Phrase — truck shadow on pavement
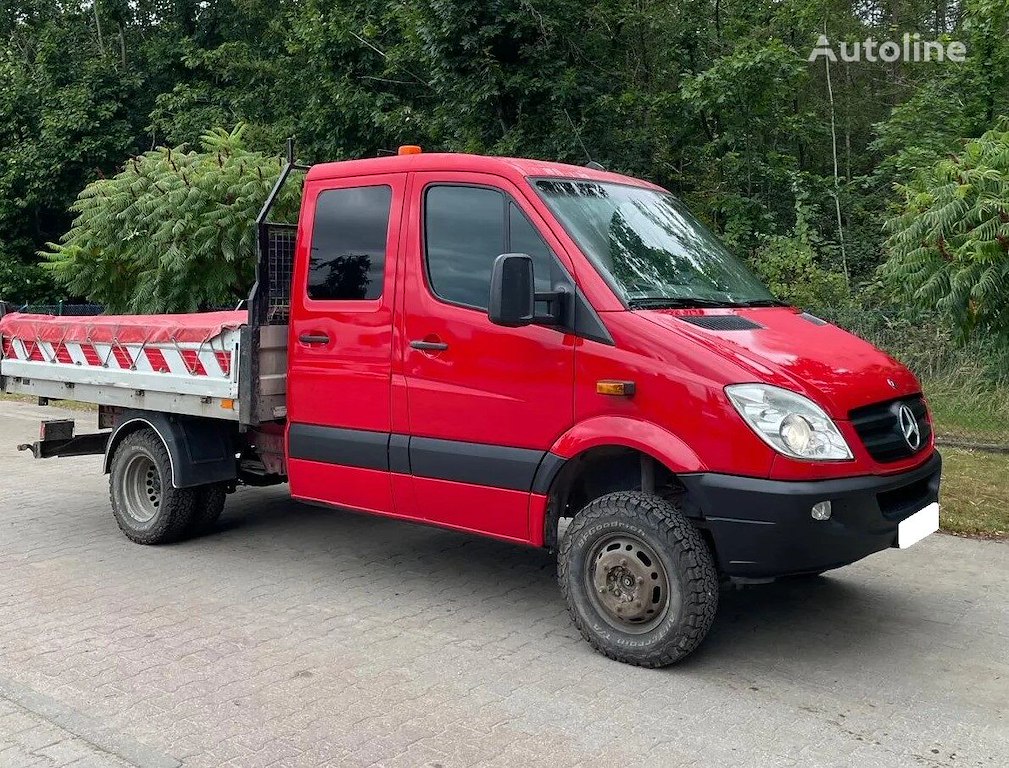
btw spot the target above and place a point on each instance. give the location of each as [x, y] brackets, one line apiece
[832, 620]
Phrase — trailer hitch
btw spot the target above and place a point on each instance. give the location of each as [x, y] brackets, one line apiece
[57, 439]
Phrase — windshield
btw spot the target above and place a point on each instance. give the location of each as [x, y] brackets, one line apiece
[650, 248]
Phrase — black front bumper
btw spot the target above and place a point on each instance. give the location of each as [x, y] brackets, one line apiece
[763, 528]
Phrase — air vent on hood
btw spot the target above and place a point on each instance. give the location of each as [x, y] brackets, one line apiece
[813, 319]
[722, 322]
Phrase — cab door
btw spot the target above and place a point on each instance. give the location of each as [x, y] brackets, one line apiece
[485, 403]
[340, 342]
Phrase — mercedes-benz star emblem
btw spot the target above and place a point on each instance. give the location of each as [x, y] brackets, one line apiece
[909, 427]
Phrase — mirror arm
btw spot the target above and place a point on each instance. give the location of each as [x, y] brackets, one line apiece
[556, 301]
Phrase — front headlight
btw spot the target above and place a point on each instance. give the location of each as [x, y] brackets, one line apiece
[788, 422]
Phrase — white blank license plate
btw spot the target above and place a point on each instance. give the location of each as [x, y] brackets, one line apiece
[918, 526]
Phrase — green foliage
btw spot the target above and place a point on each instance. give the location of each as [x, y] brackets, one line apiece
[714, 100]
[173, 231]
[949, 244]
[21, 282]
[790, 264]
[748, 170]
[787, 265]
[917, 133]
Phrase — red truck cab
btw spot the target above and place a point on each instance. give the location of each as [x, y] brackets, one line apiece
[498, 345]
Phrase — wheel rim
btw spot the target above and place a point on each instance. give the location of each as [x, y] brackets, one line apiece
[628, 584]
[140, 488]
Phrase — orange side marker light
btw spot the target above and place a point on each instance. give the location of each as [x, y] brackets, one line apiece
[615, 388]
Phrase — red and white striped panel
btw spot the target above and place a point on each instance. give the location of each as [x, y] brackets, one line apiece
[207, 359]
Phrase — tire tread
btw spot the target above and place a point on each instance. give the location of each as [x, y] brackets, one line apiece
[700, 590]
[209, 505]
[178, 505]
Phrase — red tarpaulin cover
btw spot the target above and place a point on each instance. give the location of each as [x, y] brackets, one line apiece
[124, 329]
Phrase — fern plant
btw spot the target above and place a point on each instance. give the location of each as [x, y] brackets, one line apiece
[172, 232]
[949, 244]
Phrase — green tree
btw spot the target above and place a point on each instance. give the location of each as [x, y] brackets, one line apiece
[791, 265]
[714, 100]
[949, 245]
[173, 231]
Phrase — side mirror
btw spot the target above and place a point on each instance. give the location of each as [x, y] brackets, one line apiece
[512, 291]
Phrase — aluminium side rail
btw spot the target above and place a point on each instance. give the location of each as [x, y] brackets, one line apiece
[181, 364]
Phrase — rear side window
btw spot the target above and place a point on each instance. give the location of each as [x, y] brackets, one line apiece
[349, 239]
[465, 230]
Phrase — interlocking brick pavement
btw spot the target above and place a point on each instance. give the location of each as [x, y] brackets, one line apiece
[300, 636]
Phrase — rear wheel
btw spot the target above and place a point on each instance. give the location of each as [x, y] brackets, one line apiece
[148, 509]
[208, 507]
[639, 580]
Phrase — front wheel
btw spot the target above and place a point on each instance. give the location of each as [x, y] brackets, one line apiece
[639, 580]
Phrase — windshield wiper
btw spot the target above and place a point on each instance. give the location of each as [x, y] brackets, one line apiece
[674, 302]
[760, 303]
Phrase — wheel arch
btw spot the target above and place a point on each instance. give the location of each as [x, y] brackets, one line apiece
[606, 454]
[200, 451]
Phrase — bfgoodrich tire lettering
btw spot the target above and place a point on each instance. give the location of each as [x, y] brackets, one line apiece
[645, 527]
[147, 507]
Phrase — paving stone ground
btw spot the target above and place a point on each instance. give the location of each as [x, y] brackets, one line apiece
[300, 636]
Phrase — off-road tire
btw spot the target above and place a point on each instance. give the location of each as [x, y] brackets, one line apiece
[142, 465]
[208, 507]
[683, 554]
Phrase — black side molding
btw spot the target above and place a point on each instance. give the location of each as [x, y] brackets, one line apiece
[332, 445]
[495, 466]
[546, 472]
[399, 454]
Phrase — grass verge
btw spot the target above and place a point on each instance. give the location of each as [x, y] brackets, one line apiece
[72, 405]
[975, 493]
[966, 412]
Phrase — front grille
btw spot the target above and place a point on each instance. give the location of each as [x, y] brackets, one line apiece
[879, 428]
[900, 502]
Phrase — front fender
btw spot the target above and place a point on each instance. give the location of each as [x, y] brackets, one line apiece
[597, 432]
[658, 442]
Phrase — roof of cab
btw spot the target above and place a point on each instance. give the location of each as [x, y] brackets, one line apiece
[512, 168]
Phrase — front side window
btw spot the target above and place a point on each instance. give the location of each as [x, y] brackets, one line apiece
[349, 239]
[465, 230]
[649, 247]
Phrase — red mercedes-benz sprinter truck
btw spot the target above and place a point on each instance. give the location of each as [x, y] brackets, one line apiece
[496, 346]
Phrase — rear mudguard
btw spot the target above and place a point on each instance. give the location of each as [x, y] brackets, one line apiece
[201, 451]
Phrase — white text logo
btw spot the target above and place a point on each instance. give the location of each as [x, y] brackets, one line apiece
[910, 48]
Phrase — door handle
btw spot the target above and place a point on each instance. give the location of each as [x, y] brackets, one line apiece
[429, 346]
[313, 338]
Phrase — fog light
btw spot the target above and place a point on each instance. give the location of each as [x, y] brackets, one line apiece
[821, 510]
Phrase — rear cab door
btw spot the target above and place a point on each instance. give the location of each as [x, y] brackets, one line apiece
[340, 345]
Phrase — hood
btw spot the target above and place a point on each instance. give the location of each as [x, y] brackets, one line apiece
[794, 350]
